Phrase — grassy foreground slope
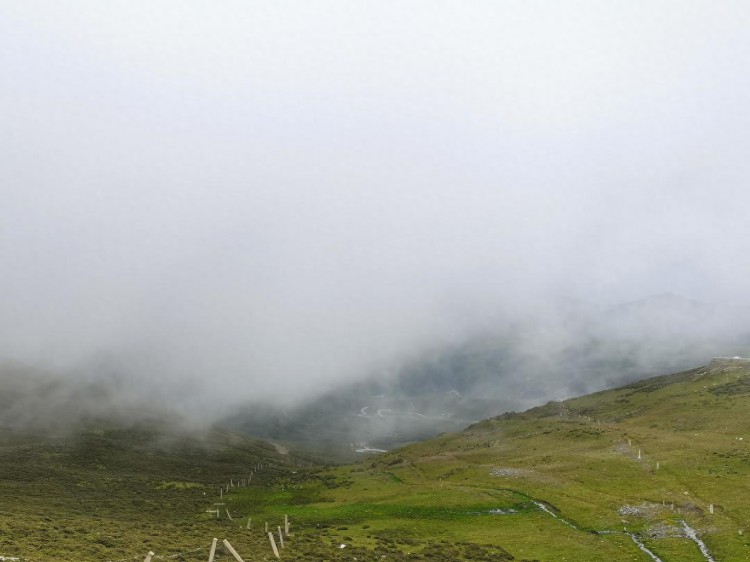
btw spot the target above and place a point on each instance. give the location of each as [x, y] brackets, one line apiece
[106, 491]
[642, 458]
[613, 476]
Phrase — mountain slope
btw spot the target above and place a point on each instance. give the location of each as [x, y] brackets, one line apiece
[623, 474]
[104, 490]
[564, 350]
[581, 479]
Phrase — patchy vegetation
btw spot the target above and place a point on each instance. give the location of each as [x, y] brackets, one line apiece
[610, 476]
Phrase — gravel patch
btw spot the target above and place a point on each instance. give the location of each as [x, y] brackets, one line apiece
[511, 472]
[647, 510]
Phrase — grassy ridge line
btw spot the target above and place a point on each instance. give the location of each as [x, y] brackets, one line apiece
[109, 492]
[692, 423]
[430, 501]
[685, 420]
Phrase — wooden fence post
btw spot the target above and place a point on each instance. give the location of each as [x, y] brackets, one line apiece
[232, 551]
[230, 517]
[281, 537]
[286, 525]
[273, 545]
[212, 552]
[266, 526]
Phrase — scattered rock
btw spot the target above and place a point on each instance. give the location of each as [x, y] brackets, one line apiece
[646, 510]
[511, 472]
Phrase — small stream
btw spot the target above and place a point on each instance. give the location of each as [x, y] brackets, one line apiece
[690, 533]
[644, 548]
[633, 536]
[547, 510]
[693, 535]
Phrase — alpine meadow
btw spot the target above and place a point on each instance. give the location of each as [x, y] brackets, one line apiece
[374, 281]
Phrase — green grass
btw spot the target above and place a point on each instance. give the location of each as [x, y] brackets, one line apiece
[115, 493]
[586, 470]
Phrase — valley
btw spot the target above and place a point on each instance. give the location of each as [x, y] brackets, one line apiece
[654, 470]
[573, 349]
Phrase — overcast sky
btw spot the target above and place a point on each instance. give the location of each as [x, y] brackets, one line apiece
[242, 191]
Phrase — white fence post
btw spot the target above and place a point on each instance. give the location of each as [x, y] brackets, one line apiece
[212, 552]
[232, 551]
[273, 545]
[148, 556]
[286, 525]
[249, 520]
[281, 537]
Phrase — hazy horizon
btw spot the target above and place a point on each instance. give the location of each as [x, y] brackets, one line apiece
[257, 200]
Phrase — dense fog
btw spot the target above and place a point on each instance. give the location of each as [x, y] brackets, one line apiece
[209, 204]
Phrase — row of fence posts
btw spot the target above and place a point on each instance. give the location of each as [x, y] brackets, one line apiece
[241, 483]
[229, 548]
[640, 457]
[225, 489]
[656, 467]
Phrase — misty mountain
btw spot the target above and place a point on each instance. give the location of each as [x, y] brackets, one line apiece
[37, 400]
[575, 348]
[510, 364]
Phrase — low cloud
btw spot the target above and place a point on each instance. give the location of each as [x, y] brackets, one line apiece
[222, 203]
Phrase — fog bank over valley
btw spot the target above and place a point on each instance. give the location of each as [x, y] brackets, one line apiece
[422, 209]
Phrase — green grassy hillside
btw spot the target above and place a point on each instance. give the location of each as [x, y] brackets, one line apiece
[616, 475]
[504, 367]
[565, 481]
[105, 491]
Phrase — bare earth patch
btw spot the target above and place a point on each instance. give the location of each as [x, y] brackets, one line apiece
[281, 450]
[511, 472]
[647, 510]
